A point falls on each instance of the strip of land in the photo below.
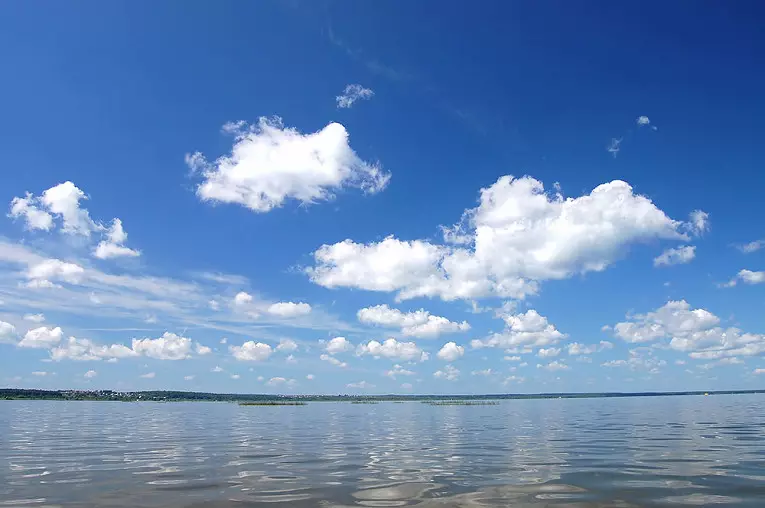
(267, 399)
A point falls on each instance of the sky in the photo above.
(382, 197)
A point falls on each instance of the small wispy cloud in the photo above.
(748, 248)
(614, 146)
(351, 94)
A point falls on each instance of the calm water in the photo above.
(664, 451)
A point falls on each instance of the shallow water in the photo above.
(657, 451)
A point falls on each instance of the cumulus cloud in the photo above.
(576, 348)
(338, 345)
(242, 298)
(419, 323)
(643, 121)
(676, 256)
(35, 318)
(513, 380)
(86, 350)
(351, 94)
(202, 350)
(549, 352)
(113, 246)
(527, 329)
(750, 247)
(747, 277)
(90, 374)
(638, 361)
(281, 381)
(484, 372)
(148, 375)
(188, 378)
(698, 223)
(519, 236)
(449, 373)
(289, 309)
(450, 352)
(7, 332)
(334, 361)
(554, 366)
(287, 345)
(63, 202)
(35, 218)
(43, 273)
(392, 349)
(251, 351)
(361, 385)
(695, 331)
(398, 370)
(42, 338)
(270, 164)
(167, 347)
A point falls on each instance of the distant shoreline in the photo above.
(177, 396)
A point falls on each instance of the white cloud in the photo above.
(638, 362)
(235, 376)
(750, 247)
(747, 277)
(64, 200)
(113, 246)
(148, 375)
(527, 329)
(419, 323)
(217, 368)
(338, 345)
(676, 256)
(242, 298)
(42, 338)
(7, 332)
(202, 350)
(309, 377)
(643, 120)
(224, 340)
(398, 370)
(251, 351)
(289, 309)
(361, 385)
(291, 359)
(168, 347)
(34, 217)
(214, 305)
(287, 345)
(614, 146)
(35, 318)
(576, 348)
(334, 361)
(40, 373)
(699, 223)
(513, 380)
(392, 349)
(450, 352)
(549, 352)
(281, 381)
(695, 331)
(448, 373)
(43, 273)
(512, 358)
(758, 371)
(270, 164)
(554, 366)
(519, 236)
(90, 374)
(86, 350)
(485, 372)
(406, 386)
(351, 94)
(188, 378)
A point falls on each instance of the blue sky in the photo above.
(331, 197)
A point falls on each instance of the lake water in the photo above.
(658, 451)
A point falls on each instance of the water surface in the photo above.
(658, 451)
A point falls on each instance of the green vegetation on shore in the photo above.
(263, 399)
(275, 403)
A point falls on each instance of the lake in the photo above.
(656, 451)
